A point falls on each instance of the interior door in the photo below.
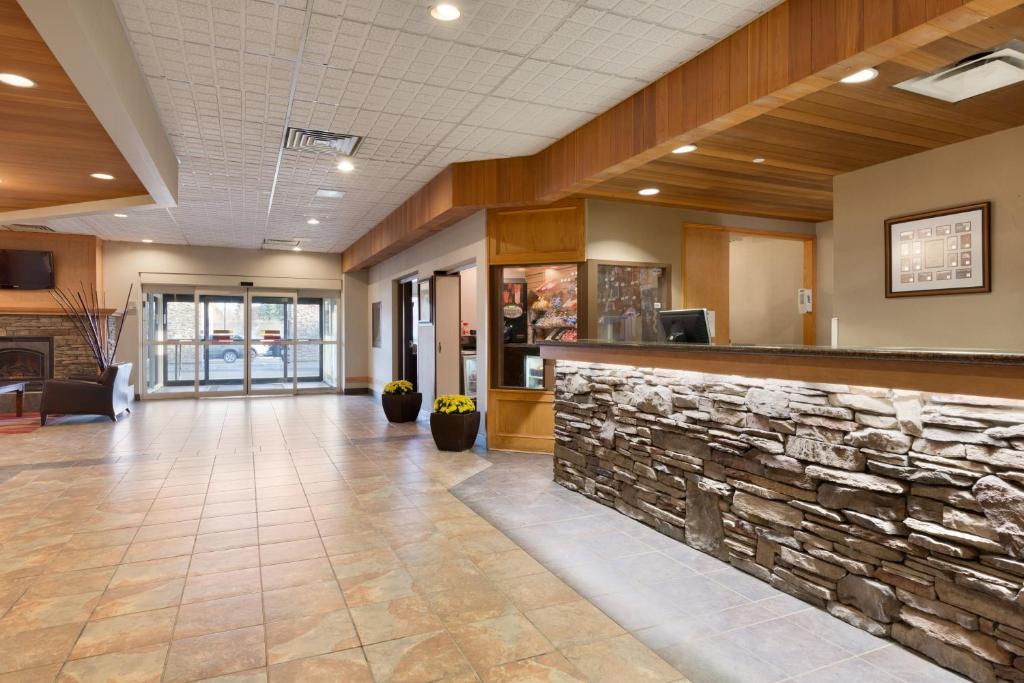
(706, 275)
(447, 334)
(271, 340)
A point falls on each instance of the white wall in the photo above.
(128, 263)
(469, 280)
(464, 243)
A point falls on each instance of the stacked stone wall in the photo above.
(899, 512)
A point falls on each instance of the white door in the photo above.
(447, 334)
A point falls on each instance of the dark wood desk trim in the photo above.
(18, 389)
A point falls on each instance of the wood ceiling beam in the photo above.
(798, 48)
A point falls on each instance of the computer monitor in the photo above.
(687, 325)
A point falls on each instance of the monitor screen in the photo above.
(26, 269)
(687, 325)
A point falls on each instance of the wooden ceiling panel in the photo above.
(50, 140)
(841, 128)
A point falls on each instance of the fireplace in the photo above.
(26, 359)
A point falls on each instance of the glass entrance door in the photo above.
(222, 349)
(272, 342)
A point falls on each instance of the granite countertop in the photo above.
(987, 356)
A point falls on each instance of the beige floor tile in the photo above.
(352, 542)
(158, 532)
(221, 585)
(226, 540)
(212, 525)
(307, 636)
(39, 674)
(155, 550)
(34, 613)
(394, 619)
(573, 623)
(623, 658)
(296, 573)
(224, 561)
(475, 601)
(297, 601)
(28, 649)
(70, 583)
(290, 516)
(509, 564)
(139, 598)
(500, 640)
(70, 560)
(416, 659)
(291, 551)
(143, 665)
(102, 539)
(429, 578)
(280, 533)
(127, 632)
(251, 676)
(379, 587)
(349, 666)
(215, 654)
(213, 616)
(549, 668)
(149, 571)
(537, 590)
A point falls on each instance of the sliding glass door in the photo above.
(233, 342)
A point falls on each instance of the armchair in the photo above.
(109, 394)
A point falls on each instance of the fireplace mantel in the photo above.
(7, 310)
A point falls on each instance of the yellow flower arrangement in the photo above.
(399, 387)
(454, 404)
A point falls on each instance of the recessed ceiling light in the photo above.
(17, 81)
(148, 241)
(296, 248)
(346, 166)
(862, 76)
(101, 176)
(685, 149)
(329, 194)
(445, 11)
(313, 221)
(120, 215)
(758, 160)
(648, 192)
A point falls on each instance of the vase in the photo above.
(455, 431)
(402, 407)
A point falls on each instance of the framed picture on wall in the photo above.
(375, 324)
(423, 301)
(947, 251)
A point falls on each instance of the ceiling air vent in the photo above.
(22, 227)
(978, 74)
(280, 244)
(304, 139)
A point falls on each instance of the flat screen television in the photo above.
(26, 269)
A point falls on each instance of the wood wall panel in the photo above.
(521, 420)
(543, 234)
(798, 48)
(77, 263)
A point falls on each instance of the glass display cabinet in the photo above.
(626, 299)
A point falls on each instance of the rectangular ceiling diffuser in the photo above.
(973, 76)
(304, 139)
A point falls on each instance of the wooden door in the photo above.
(447, 334)
(706, 275)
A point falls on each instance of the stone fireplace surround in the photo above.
(900, 512)
(71, 355)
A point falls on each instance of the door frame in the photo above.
(808, 280)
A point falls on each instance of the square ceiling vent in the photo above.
(975, 75)
(305, 139)
(280, 244)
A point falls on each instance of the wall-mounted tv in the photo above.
(26, 269)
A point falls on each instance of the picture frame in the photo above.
(375, 310)
(424, 306)
(946, 251)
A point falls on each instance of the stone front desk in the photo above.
(898, 510)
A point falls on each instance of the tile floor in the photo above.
(289, 539)
(305, 539)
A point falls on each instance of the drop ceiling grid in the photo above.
(507, 79)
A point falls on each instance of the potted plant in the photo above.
(454, 422)
(401, 403)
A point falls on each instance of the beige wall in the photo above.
(468, 283)
(463, 244)
(984, 169)
(128, 263)
(764, 276)
(824, 288)
(634, 231)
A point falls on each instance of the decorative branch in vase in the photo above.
(83, 308)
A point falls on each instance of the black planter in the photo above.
(455, 432)
(402, 407)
